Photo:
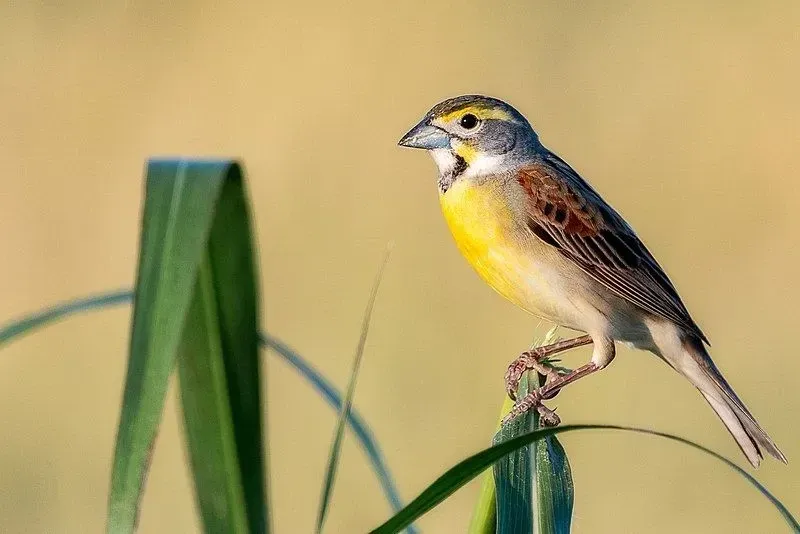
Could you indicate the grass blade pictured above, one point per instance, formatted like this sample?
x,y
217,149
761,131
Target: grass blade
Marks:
x,y
220,375
554,495
189,205
15,329
207,413
529,490
535,493
484,515
338,433
466,470
357,424
175,225
534,483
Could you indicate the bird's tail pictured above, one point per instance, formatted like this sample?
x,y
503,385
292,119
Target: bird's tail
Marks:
x,y
704,375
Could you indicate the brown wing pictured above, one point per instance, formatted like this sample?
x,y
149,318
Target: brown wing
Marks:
x,y
565,212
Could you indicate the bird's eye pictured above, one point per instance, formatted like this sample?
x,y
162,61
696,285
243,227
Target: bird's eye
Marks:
x,y
469,121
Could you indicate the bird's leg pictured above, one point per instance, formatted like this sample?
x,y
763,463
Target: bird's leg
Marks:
x,y
548,391
532,360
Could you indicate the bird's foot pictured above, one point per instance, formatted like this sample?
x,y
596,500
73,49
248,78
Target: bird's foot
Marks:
x,y
547,417
549,390
533,360
528,360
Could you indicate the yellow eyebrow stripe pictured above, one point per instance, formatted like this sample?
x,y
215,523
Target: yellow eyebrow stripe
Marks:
x,y
482,113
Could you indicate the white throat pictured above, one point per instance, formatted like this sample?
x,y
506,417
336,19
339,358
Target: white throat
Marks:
x,y
444,159
484,165
481,165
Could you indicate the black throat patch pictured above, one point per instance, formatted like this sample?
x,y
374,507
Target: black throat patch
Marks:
x,y
458,169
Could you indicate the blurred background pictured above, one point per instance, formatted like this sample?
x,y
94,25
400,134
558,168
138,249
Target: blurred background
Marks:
x,y
685,117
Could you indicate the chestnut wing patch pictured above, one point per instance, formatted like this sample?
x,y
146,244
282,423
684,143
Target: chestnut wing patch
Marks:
x,y
565,212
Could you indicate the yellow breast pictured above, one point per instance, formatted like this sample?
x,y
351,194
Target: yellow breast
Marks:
x,y
483,225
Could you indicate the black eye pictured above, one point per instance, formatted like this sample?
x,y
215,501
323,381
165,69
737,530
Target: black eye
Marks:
x,y
469,121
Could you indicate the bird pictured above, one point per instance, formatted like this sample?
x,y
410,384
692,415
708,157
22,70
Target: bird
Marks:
x,y
543,238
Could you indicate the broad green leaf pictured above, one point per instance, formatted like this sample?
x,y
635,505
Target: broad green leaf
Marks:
x,y
190,205
344,412
20,327
529,490
534,483
555,493
458,475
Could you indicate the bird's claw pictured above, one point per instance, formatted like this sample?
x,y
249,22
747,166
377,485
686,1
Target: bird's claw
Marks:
x,y
513,375
547,417
525,362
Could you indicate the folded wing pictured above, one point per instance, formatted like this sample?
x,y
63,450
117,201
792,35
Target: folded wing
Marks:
x,y
565,212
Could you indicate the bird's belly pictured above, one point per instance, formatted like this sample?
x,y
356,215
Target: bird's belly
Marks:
x,y
516,265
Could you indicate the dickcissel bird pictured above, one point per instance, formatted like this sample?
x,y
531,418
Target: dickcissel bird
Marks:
x,y
543,238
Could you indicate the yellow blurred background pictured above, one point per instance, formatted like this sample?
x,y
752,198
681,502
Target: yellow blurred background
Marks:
x,y
685,117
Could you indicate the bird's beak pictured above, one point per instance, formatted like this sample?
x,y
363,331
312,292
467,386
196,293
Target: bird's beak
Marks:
x,y
425,136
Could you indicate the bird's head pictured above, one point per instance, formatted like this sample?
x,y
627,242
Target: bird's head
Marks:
x,y
473,135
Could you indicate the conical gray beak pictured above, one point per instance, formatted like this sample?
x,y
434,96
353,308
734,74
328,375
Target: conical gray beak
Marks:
x,y
425,136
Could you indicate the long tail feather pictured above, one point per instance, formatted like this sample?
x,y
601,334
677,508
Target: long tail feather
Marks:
x,y
705,376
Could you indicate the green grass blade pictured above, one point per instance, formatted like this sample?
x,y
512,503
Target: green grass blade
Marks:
x,y
554,495
207,412
220,375
529,490
357,424
189,205
484,515
20,327
514,474
338,434
466,470
177,219
233,263
534,483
